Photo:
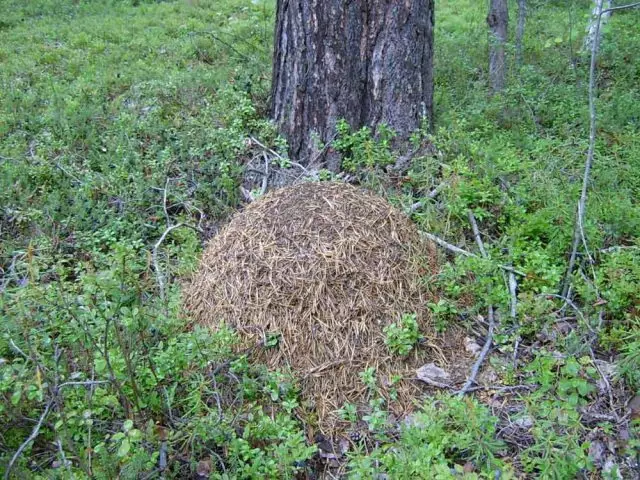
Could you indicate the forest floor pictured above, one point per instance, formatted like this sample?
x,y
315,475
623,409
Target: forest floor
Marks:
x,y
121,119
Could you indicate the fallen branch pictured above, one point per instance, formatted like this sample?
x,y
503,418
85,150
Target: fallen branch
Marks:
x,y
432,194
483,353
513,293
277,155
476,234
491,317
265,176
465,253
502,389
154,253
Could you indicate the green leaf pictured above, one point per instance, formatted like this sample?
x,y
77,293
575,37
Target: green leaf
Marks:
x,y
16,396
100,365
128,425
125,446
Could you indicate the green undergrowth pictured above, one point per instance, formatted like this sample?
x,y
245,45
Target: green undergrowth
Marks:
x,y
123,123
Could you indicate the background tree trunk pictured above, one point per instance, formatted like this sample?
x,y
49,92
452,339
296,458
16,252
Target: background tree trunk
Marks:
x,y
522,16
367,61
498,20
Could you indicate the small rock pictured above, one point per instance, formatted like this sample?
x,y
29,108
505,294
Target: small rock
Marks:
x,y
611,470
472,347
563,327
433,375
608,369
596,452
203,470
469,467
634,407
525,422
413,421
344,446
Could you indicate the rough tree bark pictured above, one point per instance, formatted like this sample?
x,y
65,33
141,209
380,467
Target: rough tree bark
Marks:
x,y
367,61
498,20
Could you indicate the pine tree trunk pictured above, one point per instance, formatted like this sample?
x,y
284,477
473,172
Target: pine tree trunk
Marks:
x,y
498,20
367,61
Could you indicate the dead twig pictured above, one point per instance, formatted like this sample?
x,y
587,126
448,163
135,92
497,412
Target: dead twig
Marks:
x,y
465,253
265,176
154,257
476,233
170,227
491,316
502,388
432,194
36,429
17,349
483,353
277,155
30,438
513,293
578,233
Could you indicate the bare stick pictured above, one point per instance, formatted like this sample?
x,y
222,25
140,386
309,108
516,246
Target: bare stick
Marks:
x,y
476,233
432,194
446,245
63,457
164,202
154,257
17,349
605,380
88,383
483,353
30,438
513,293
43,416
619,248
522,15
578,234
276,154
465,253
502,388
265,177
492,321
622,7
513,287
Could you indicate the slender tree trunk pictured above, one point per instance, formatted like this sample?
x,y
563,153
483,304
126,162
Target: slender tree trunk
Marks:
x,y
522,16
498,21
367,61
593,30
